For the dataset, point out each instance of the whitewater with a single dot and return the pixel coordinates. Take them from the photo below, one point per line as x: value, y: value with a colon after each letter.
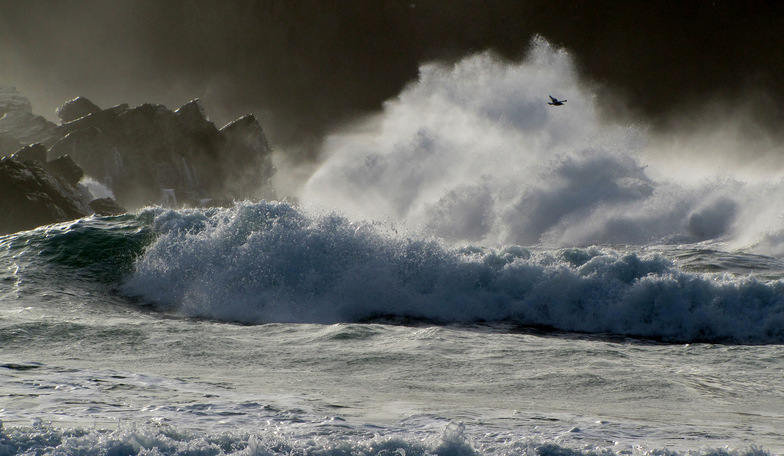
x: 468, y: 272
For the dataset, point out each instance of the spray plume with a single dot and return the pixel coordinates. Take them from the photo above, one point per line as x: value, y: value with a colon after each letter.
x: 472, y: 152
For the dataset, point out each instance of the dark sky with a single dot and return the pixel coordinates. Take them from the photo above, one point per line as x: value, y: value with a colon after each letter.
x: 305, y: 66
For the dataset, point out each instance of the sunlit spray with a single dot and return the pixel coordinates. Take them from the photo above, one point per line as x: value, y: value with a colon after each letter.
x: 472, y: 152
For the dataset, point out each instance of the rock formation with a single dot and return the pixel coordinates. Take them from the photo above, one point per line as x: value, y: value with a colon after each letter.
x: 34, y: 152
x: 8, y: 144
x: 35, y: 192
x: 65, y: 167
x: 149, y: 153
x: 30, y: 197
x: 76, y: 109
x: 106, y: 206
x: 144, y: 155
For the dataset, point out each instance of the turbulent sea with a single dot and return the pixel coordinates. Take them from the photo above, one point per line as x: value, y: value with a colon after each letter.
x: 470, y: 273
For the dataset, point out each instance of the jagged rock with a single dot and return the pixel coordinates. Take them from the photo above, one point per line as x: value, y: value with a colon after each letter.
x: 8, y: 144
x: 247, y: 131
x: 140, y: 152
x: 147, y: 154
x: 34, y: 152
x: 66, y: 168
x: 199, y: 130
x: 106, y: 207
x: 192, y: 116
x: 17, y: 119
x: 246, y: 157
x: 30, y: 197
x: 93, y: 150
x: 76, y: 109
x: 106, y: 118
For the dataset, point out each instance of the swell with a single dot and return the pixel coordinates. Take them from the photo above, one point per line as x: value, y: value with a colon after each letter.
x: 93, y: 249
x: 271, y: 262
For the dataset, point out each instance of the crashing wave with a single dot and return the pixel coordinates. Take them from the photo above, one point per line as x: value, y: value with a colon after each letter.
x: 270, y: 262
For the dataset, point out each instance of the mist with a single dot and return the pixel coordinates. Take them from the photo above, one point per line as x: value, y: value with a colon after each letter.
x: 308, y: 67
x: 470, y: 152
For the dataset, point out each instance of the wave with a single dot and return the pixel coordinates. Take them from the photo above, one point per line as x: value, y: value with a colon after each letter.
x: 130, y: 439
x: 94, y: 248
x: 271, y: 262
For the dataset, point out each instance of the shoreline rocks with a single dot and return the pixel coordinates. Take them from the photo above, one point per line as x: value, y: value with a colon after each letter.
x: 145, y: 155
x: 30, y: 196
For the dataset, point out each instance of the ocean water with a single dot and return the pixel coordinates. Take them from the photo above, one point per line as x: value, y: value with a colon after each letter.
x: 471, y: 272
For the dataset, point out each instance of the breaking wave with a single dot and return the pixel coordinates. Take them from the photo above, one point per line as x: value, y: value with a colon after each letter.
x: 130, y: 439
x: 271, y: 262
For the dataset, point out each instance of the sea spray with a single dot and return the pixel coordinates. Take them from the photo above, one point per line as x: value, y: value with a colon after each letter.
x: 453, y: 440
x: 471, y: 152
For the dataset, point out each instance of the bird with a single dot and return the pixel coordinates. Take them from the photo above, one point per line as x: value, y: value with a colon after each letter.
x: 556, y: 102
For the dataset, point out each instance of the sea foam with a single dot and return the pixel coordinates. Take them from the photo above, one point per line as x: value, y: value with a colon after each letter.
x: 271, y: 262
x: 270, y: 440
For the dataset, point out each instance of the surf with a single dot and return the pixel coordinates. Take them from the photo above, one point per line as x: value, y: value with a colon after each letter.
x: 266, y: 262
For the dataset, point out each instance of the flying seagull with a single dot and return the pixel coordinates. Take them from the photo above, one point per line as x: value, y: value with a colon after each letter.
x: 556, y: 102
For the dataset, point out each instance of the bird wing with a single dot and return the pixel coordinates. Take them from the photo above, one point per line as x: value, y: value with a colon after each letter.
x: 551, y: 97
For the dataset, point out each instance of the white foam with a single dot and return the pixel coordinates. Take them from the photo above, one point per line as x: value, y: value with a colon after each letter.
x: 324, y: 438
x: 270, y: 262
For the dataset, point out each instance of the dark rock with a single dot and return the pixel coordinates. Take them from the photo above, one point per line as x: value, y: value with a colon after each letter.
x: 106, y: 207
x: 93, y: 151
x: 106, y: 118
x: 76, y: 109
x: 248, y: 131
x: 30, y: 197
x: 192, y: 116
x: 34, y: 152
x: 246, y: 159
x: 66, y: 168
x: 8, y: 144
x: 152, y: 155
x: 147, y: 154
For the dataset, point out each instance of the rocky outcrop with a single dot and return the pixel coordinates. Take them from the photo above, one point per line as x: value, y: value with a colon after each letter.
x: 106, y: 207
x: 34, y: 152
x: 34, y: 193
x: 76, y: 109
x: 30, y: 197
x: 143, y: 155
x: 152, y: 155
x: 244, y: 139
x: 8, y: 144
x: 65, y: 168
